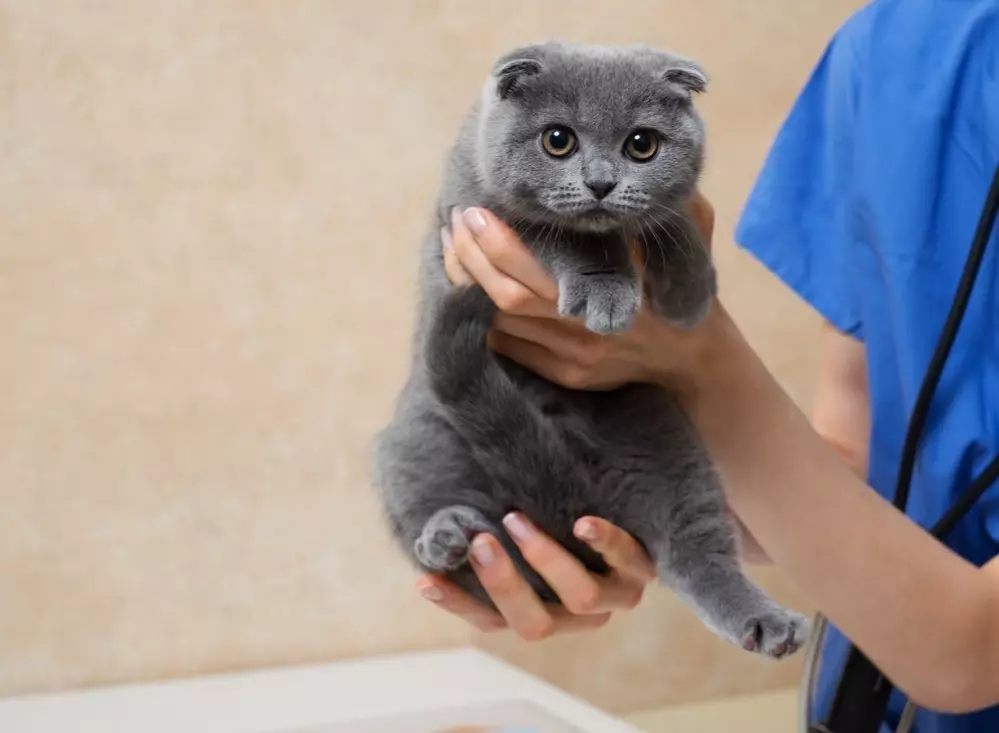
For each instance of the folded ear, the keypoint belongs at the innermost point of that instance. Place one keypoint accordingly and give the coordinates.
(687, 75)
(510, 70)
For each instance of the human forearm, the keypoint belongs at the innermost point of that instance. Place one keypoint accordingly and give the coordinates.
(840, 414)
(923, 614)
(751, 550)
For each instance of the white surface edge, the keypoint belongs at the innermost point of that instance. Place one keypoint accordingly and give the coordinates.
(267, 701)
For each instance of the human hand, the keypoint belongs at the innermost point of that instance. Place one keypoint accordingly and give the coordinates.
(480, 248)
(588, 599)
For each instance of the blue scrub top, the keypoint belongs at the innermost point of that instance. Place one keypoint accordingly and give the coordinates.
(866, 207)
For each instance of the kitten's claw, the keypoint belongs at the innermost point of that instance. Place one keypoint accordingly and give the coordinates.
(777, 634)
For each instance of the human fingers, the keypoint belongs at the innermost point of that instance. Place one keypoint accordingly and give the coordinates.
(453, 599)
(580, 591)
(453, 268)
(638, 257)
(564, 337)
(619, 549)
(703, 214)
(508, 253)
(515, 600)
(509, 294)
(543, 362)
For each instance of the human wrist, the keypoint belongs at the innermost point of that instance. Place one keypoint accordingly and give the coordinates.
(692, 359)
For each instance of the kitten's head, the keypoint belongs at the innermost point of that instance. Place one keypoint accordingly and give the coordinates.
(590, 137)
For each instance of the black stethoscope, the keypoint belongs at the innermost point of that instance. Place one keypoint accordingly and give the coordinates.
(862, 695)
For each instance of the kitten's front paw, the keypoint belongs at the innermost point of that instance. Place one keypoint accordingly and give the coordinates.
(686, 302)
(607, 302)
(777, 633)
(444, 543)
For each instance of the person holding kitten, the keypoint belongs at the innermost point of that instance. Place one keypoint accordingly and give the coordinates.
(865, 208)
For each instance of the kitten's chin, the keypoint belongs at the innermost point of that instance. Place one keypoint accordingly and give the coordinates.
(596, 221)
(592, 219)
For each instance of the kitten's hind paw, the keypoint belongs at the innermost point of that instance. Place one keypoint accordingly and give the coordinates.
(777, 633)
(444, 543)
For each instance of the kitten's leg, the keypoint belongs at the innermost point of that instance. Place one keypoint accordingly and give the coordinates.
(681, 278)
(697, 556)
(446, 537)
(607, 301)
(596, 280)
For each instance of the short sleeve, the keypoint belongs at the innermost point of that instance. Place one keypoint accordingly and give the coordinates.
(798, 219)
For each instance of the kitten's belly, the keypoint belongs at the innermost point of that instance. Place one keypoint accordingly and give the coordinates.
(621, 438)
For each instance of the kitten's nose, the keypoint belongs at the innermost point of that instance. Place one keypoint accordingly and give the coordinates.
(601, 188)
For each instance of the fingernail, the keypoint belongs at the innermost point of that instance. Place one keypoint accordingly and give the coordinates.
(518, 527)
(482, 552)
(446, 239)
(475, 220)
(432, 593)
(586, 530)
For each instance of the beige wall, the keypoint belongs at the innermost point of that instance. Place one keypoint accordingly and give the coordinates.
(208, 213)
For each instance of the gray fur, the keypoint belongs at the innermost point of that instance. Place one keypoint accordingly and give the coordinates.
(475, 436)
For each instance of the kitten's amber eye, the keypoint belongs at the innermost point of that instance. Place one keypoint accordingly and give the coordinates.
(642, 145)
(558, 141)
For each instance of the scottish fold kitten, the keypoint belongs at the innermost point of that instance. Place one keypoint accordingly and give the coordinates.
(580, 149)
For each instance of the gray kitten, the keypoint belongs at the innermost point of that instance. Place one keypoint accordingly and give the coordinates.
(580, 149)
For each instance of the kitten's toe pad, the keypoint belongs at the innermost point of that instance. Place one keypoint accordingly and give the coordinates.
(778, 633)
(444, 543)
(607, 302)
(443, 548)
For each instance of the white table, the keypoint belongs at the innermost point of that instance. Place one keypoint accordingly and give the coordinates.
(408, 693)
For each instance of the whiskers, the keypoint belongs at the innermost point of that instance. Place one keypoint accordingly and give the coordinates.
(630, 210)
(655, 223)
(629, 200)
(551, 233)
